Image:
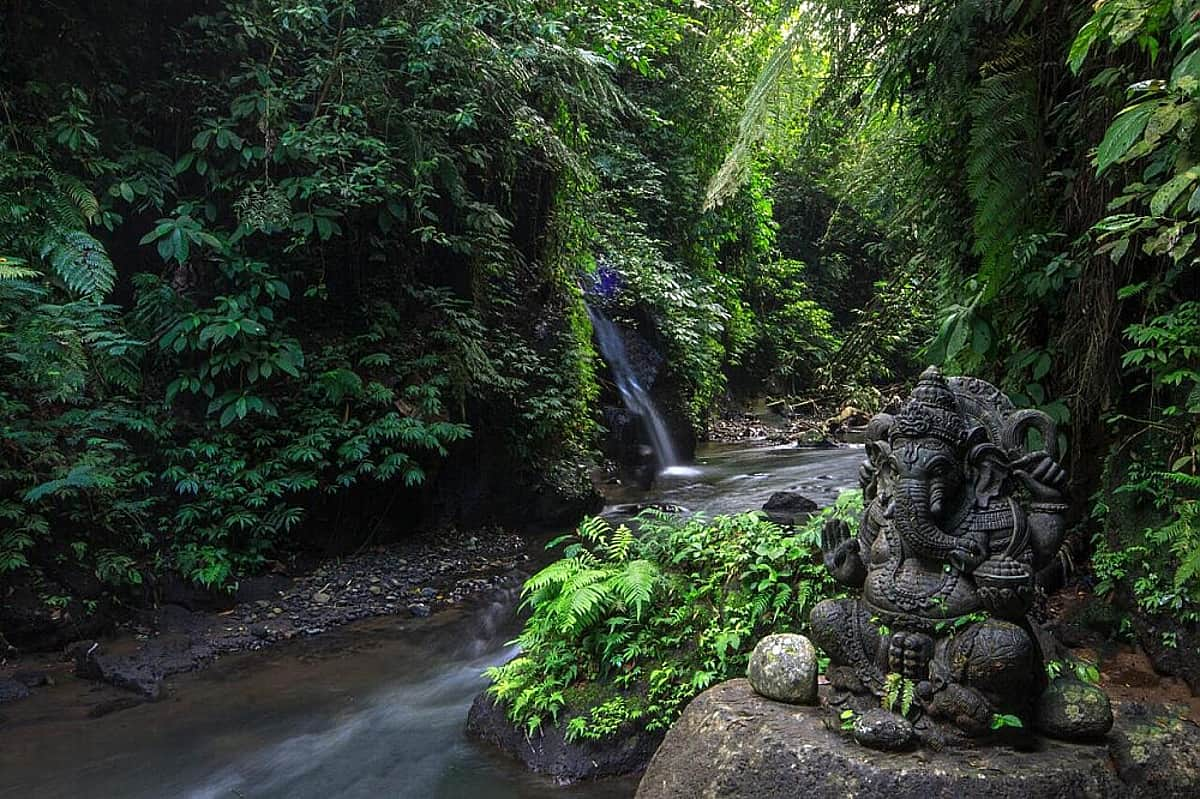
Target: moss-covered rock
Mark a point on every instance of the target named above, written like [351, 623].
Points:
[783, 667]
[548, 751]
[1074, 711]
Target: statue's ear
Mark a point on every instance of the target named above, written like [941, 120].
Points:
[988, 467]
[878, 451]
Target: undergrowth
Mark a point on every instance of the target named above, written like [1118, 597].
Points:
[628, 626]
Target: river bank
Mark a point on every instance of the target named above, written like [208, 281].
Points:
[410, 579]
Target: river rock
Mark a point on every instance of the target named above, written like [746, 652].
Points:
[1073, 711]
[790, 502]
[549, 752]
[732, 743]
[11, 691]
[783, 667]
[31, 678]
[883, 730]
[263, 588]
[1155, 746]
[138, 673]
[788, 508]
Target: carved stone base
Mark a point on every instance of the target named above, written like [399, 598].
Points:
[734, 744]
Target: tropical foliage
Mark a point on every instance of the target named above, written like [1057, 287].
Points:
[626, 628]
[274, 266]
[257, 255]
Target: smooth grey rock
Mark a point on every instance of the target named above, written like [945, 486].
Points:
[783, 667]
[1073, 711]
[734, 744]
[883, 730]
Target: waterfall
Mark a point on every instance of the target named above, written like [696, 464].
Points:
[636, 398]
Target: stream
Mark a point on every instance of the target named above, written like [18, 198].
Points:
[374, 709]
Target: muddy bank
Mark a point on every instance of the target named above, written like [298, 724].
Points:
[411, 579]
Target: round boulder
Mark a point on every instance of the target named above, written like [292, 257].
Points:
[783, 667]
[1071, 710]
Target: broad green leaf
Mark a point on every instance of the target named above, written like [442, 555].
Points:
[1122, 133]
[1170, 191]
[1083, 43]
[1187, 68]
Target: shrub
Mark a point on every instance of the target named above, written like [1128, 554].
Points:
[627, 627]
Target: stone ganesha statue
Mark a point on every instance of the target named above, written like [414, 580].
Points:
[959, 518]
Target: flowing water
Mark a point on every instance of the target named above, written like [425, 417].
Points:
[636, 398]
[375, 709]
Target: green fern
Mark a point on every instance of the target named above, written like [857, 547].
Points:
[82, 200]
[13, 268]
[81, 262]
[898, 694]
[1002, 165]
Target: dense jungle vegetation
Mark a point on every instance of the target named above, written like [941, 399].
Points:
[272, 270]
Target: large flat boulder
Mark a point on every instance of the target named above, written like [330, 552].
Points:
[732, 743]
[549, 752]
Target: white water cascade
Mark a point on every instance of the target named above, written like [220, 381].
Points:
[636, 398]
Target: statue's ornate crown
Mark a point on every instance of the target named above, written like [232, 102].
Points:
[931, 410]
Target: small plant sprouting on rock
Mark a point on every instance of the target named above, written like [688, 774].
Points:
[1081, 669]
[898, 694]
[1002, 720]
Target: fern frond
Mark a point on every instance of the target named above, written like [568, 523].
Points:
[12, 268]
[1182, 479]
[79, 195]
[81, 262]
[635, 585]
[620, 544]
[1002, 162]
[594, 529]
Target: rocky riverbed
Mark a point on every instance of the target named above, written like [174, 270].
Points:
[414, 578]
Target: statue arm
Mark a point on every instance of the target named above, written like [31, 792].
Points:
[843, 553]
[1047, 527]
[1046, 482]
